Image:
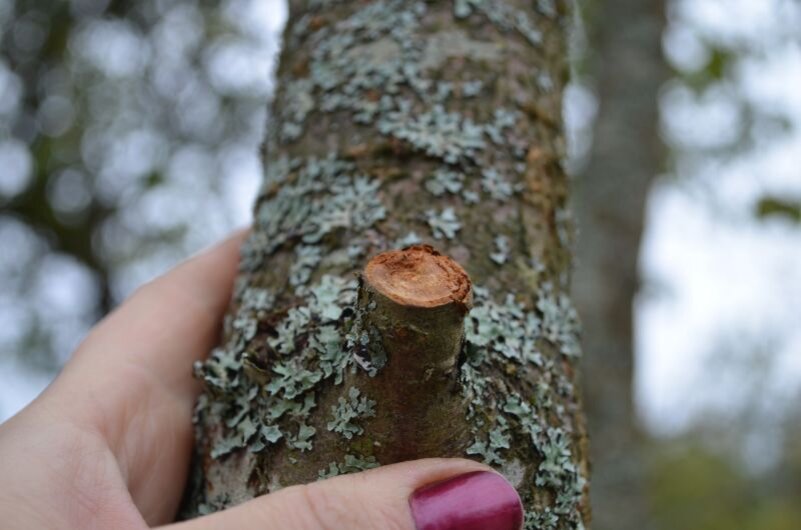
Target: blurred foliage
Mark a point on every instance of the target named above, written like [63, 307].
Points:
[129, 136]
[721, 105]
[731, 117]
[716, 69]
[779, 207]
[693, 487]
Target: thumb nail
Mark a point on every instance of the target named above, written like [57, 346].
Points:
[475, 501]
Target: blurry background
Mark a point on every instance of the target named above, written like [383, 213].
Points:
[129, 136]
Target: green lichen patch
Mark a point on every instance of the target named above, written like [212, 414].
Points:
[488, 448]
[444, 181]
[449, 136]
[560, 321]
[496, 185]
[443, 45]
[497, 333]
[256, 300]
[372, 49]
[333, 358]
[444, 224]
[288, 329]
[299, 103]
[436, 132]
[213, 504]
[348, 410]
[292, 380]
[503, 16]
[547, 8]
[502, 249]
[411, 238]
[351, 464]
[332, 296]
[471, 197]
[545, 519]
[302, 440]
[308, 258]
[275, 406]
[321, 196]
[268, 434]
[471, 89]
[245, 431]
[506, 329]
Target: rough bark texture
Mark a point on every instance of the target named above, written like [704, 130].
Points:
[610, 202]
[397, 123]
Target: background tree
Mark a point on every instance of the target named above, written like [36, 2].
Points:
[400, 123]
[625, 157]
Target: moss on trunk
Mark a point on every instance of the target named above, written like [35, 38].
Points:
[397, 123]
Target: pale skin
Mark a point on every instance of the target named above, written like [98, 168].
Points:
[107, 445]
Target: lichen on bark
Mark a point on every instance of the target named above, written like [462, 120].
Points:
[379, 138]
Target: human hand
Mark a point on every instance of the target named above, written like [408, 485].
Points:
[107, 444]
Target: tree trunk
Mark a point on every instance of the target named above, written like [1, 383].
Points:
[610, 202]
[398, 123]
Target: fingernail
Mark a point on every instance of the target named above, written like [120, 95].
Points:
[475, 501]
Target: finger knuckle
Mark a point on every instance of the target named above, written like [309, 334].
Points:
[323, 508]
[337, 508]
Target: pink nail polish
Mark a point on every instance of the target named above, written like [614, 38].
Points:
[475, 501]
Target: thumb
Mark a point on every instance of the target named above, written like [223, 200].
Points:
[431, 494]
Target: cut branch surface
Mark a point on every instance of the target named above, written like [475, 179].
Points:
[419, 276]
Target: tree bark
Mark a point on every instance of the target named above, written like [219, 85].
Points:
[398, 123]
[610, 203]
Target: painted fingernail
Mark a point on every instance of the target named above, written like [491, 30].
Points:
[475, 501]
